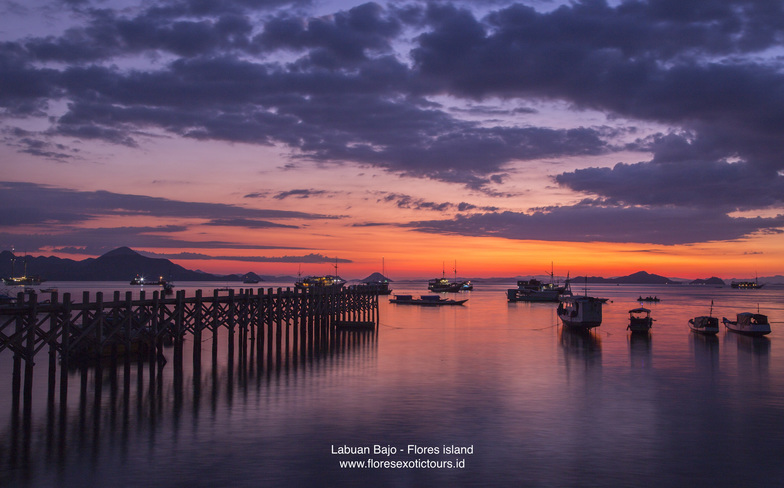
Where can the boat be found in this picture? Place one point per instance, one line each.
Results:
(648, 299)
(168, 287)
(534, 290)
(754, 324)
(581, 312)
(746, 285)
(427, 300)
(640, 320)
(443, 284)
(379, 286)
(23, 280)
(140, 280)
(707, 325)
(321, 282)
(704, 325)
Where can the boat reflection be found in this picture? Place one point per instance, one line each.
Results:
(705, 350)
(640, 349)
(581, 345)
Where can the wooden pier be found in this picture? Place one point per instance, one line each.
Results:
(123, 330)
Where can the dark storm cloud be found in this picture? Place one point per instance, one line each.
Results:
(704, 68)
(346, 98)
(703, 184)
(32, 204)
(97, 241)
(667, 226)
(672, 62)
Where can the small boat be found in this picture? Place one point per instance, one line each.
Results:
(648, 299)
(640, 320)
(427, 300)
(707, 325)
(581, 312)
(755, 324)
(704, 325)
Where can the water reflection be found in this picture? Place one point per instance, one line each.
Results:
(114, 406)
(705, 349)
(581, 346)
(640, 349)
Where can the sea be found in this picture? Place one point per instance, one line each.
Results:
(489, 393)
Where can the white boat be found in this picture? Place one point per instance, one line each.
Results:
(582, 312)
(748, 323)
(427, 300)
(534, 291)
(640, 320)
(704, 325)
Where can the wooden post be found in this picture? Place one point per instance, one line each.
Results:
(65, 351)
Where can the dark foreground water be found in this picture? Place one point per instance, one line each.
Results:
(525, 402)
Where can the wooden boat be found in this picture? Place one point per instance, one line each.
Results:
(754, 324)
(648, 299)
(427, 300)
(704, 325)
(581, 312)
(640, 320)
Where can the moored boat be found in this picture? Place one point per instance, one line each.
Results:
(640, 320)
(648, 299)
(427, 300)
(755, 324)
(320, 282)
(704, 325)
(534, 290)
(581, 312)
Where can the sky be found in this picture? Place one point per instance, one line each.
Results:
(486, 138)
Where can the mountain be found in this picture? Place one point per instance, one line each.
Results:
(640, 277)
(376, 278)
(709, 281)
(120, 264)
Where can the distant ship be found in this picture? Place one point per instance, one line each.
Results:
(444, 285)
(321, 282)
(23, 280)
(746, 285)
(140, 280)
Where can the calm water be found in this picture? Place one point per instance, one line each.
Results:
(534, 405)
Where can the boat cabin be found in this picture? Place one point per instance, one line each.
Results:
(748, 319)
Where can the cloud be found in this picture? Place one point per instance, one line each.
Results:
(582, 223)
(30, 204)
(699, 184)
(312, 258)
(299, 193)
